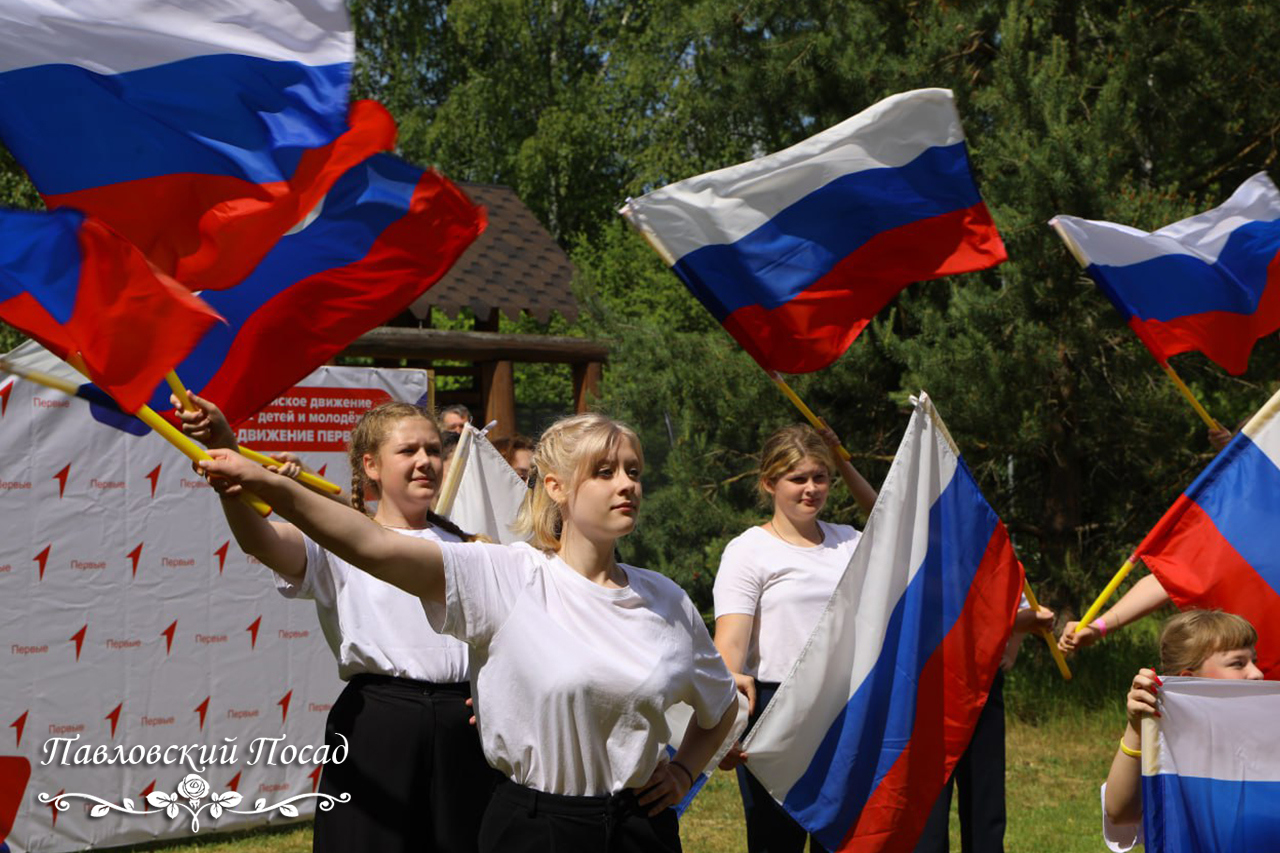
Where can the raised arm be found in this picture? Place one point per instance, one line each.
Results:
(1123, 800)
(1145, 596)
(414, 565)
(278, 546)
(857, 484)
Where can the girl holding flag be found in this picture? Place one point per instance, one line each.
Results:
(773, 584)
(576, 657)
(403, 714)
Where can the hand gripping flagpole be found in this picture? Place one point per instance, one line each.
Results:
(146, 414)
(818, 423)
(1209, 421)
(1046, 633)
(311, 481)
(1094, 609)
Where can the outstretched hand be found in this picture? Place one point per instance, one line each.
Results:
(206, 423)
(1070, 641)
(230, 473)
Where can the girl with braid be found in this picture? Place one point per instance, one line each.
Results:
(403, 714)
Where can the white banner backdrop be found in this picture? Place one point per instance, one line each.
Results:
(131, 625)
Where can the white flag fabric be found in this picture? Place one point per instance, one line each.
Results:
(489, 491)
(1211, 767)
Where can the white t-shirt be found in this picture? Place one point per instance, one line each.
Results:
(1120, 839)
(784, 587)
(573, 679)
(374, 627)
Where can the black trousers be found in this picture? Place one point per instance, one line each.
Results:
(522, 820)
(769, 828)
(980, 777)
(417, 778)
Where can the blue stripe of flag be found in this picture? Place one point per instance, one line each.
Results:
(866, 740)
(1240, 492)
(1172, 286)
(1186, 814)
(40, 256)
(232, 115)
(359, 207)
(800, 245)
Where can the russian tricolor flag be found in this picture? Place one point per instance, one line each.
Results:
(1209, 283)
(72, 284)
(199, 132)
(385, 232)
(1216, 547)
(1211, 767)
(860, 738)
(795, 252)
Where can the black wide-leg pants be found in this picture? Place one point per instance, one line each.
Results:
(414, 769)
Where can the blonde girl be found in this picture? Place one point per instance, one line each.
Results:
(576, 658)
(1202, 643)
(773, 583)
(414, 768)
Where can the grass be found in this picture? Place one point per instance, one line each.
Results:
(1060, 738)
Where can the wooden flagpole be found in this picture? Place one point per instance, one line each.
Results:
(146, 414)
(311, 481)
(1046, 633)
(818, 423)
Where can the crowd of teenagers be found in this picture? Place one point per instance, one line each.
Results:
(575, 658)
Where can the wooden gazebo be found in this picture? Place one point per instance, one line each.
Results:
(514, 266)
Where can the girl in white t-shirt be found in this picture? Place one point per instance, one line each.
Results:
(1201, 643)
(576, 658)
(773, 584)
(414, 768)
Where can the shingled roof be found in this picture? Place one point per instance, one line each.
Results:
(514, 266)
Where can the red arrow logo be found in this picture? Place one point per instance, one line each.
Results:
(154, 477)
(114, 717)
(134, 555)
(43, 558)
(147, 790)
(61, 477)
(320, 473)
(202, 709)
(78, 639)
(234, 784)
(314, 776)
(4, 397)
(19, 724)
(53, 807)
(253, 632)
(167, 633)
(222, 555)
(284, 706)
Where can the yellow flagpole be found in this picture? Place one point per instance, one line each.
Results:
(146, 414)
(311, 481)
(1046, 633)
(1096, 607)
(818, 423)
(1078, 254)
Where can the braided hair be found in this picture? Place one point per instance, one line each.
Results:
(367, 436)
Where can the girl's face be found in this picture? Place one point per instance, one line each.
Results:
(407, 465)
(1235, 663)
(604, 503)
(801, 493)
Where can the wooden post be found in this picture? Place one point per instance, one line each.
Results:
(497, 385)
(586, 384)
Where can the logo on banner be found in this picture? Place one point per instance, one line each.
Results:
(61, 477)
(43, 558)
(5, 391)
(78, 639)
(253, 632)
(154, 477)
(202, 709)
(221, 554)
(19, 724)
(134, 555)
(114, 717)
(284, 707)
(310, 419)
(167, 633)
